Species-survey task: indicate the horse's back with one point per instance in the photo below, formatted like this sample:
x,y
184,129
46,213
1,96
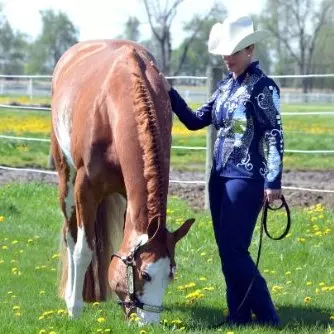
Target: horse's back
x,y
93,99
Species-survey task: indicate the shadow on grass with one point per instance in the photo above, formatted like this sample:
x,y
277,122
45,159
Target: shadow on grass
x,y
291,317
306,316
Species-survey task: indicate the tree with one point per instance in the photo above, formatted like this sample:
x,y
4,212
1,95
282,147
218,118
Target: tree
x,y
58,34
160,17
192,56
296,25
13,47
132,29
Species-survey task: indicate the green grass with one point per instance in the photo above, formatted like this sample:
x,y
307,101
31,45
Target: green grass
x,y
301,132
298,267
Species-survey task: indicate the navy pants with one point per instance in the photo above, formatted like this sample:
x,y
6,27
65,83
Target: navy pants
x,y
235,204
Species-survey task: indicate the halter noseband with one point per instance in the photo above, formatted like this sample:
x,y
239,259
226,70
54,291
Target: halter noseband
x,y
134,302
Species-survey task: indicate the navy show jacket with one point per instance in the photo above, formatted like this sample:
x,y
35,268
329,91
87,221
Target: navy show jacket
x,y
246,113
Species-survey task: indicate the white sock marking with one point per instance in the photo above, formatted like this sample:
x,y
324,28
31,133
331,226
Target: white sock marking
x,y
70,267
82,258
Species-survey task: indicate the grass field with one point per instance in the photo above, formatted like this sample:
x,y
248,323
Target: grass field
x,y
301,132
298,270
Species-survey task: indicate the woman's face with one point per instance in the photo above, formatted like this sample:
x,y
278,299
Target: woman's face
x,y
238,62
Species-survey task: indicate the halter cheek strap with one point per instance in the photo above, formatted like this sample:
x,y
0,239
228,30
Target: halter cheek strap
x,y
134,302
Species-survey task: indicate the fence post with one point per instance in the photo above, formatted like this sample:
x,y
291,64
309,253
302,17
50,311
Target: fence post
x,y
30,89
214,74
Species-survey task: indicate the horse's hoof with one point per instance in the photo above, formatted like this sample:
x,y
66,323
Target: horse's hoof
x,y
75,311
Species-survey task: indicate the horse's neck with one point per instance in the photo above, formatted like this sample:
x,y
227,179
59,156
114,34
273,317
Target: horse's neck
x,y
136,232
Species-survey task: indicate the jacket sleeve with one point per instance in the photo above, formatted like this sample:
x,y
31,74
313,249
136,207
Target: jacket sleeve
x,y
192,120
266,101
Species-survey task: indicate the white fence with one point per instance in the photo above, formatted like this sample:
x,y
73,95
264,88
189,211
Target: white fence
x,y
33,84
40,86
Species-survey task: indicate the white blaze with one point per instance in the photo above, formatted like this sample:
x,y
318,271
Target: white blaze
x,y
154,290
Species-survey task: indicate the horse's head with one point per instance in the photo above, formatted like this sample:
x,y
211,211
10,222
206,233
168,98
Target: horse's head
x,y
141,276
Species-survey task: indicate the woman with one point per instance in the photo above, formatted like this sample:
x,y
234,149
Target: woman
x,y
245,111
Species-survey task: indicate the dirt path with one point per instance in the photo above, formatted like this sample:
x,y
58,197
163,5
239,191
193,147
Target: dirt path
x,y
194,194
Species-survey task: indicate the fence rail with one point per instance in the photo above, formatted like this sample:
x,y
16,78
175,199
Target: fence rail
x,y
285,96
40,86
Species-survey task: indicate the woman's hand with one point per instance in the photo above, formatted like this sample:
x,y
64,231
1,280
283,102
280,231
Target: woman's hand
x,y
164,80
272,194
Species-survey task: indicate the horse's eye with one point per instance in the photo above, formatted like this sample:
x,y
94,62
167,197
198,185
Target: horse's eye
x,y
145,276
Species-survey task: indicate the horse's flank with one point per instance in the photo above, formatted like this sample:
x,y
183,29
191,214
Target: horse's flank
x,y
111,127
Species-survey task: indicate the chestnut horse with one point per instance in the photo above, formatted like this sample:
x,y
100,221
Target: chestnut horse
x,y
111,138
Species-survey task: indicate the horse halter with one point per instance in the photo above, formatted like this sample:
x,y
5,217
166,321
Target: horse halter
x,y
134,302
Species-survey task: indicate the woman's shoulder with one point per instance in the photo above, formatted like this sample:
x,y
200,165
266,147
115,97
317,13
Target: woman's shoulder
x,y
265,81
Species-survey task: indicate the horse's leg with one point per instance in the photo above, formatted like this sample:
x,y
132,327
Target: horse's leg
x,y
86,206
70,231
66,179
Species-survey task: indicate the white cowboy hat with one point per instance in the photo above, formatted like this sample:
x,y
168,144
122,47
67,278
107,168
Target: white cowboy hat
x,y
234,35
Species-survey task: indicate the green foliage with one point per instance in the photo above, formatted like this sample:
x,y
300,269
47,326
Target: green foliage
x,y
192,56
58,34
132,32
298,271
13,48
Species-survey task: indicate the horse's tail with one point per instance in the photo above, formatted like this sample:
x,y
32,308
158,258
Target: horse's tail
x,y
109,226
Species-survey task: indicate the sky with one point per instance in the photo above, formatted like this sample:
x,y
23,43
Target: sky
x,y
106,18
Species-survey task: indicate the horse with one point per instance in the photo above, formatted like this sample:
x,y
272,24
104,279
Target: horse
x,y
110,142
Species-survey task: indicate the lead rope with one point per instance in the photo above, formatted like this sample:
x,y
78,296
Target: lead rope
x,y
264,227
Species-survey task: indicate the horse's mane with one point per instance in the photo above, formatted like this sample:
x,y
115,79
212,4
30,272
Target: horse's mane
x,y
149,138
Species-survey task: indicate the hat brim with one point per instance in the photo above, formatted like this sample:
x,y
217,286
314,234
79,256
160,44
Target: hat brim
x,y
227,48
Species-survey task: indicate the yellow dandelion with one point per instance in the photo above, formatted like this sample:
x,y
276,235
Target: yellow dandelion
x,y
309,283
202,278
107,330
4,247
96,303
52,332
2,219
14,242
16,307
321,283
203,254
18,314
100,320
307,300
42,331
42,292
143,331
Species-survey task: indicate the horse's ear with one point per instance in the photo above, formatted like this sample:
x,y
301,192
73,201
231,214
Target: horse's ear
x,y
182,230
153,227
